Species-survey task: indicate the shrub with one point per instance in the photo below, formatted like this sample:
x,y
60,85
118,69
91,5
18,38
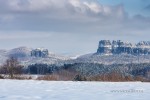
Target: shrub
x,y
1,77
111,77
80,78
48,77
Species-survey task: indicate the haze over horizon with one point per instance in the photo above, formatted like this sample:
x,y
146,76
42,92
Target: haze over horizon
x,y
72,26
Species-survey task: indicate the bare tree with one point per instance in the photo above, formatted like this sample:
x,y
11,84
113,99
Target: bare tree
x,y
12,67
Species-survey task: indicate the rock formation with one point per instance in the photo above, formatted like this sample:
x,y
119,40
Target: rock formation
x,y
39,53
108,47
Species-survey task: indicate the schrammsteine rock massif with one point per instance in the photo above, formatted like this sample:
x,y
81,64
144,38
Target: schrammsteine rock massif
x,y
118,52
108,47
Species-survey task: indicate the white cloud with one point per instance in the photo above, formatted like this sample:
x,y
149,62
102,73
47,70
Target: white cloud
x,y
71,16
62,7
60,15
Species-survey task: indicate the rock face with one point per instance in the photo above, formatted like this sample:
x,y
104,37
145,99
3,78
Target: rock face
x,y
105,47
108,47
39,53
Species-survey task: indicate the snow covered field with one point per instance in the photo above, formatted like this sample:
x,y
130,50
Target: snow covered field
x,y
50,90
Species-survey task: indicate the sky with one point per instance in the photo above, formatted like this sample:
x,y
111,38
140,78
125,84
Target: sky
x,y
72,26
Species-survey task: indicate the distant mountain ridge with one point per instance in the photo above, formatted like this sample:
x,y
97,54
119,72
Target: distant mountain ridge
x,y
26,57
19,52
108,52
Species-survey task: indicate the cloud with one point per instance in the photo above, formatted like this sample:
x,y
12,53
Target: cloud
x,y
68,21
54,15
71,16
65,8
147,7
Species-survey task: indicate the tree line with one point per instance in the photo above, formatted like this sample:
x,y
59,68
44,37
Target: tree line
x,y
79,71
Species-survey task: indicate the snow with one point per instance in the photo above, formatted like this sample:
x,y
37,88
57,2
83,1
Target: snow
x,y
52,90
113,59
24,56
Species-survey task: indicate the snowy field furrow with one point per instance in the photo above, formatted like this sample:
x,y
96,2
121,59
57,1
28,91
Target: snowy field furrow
x,y
51,90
